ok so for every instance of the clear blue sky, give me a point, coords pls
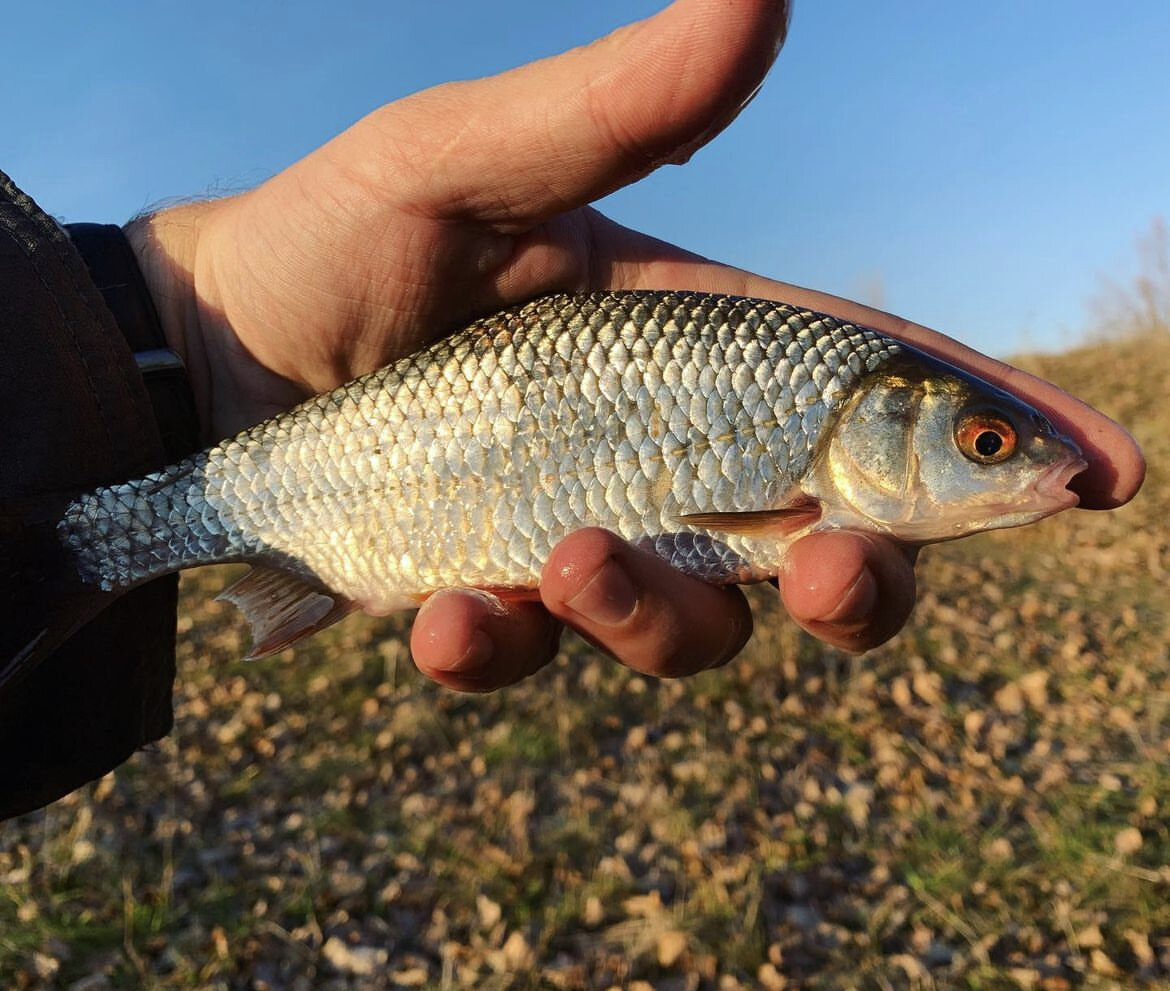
(976, 167)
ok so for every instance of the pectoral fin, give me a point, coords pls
(782, 521)
(281, 608)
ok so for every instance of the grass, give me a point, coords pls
(980, 804)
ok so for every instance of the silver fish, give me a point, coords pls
(713, 430)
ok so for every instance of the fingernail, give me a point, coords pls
(857, 603)
(477, 655)
(608, 598)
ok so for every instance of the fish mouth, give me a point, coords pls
(1052, 486)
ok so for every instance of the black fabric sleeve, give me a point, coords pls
(76, 413)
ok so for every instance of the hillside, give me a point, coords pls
(982, 803)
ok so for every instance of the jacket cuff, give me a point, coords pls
(115, 272)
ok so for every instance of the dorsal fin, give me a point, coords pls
(282, 608)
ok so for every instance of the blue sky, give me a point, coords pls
(976, 167)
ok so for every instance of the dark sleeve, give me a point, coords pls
(76, 414)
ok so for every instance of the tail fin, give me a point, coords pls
(99, 529)
(120, 536)
(63, 558)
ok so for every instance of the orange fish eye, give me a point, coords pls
(986, 437)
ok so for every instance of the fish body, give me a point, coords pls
(712, 430)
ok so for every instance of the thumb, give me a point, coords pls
(515, 149)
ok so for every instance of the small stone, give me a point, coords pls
(900, 693)
(1034, 688)
(928, 687)
(671, 945)
(594, 912)
(1101, 963)
(857, 801)
(46, 966)
(363, 961)
(1090, 937)
(1139, 943)
(346, 884)
(911, 966)
(489, 911)
(770, 978)
(938, 955)
(1025, 977)
(1128, 840)
(999, 850)
(1010, 699)
(644, 906)
(1110, 782)
(517, 952)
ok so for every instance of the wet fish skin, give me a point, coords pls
(465, 463)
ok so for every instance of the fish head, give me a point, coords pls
(926, 452)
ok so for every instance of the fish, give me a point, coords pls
(712, 430)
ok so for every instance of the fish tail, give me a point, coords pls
(65, 557)
(120, 536)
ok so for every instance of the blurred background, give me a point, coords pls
(975, 167)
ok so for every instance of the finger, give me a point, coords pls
(648, 615)
(627, 259)
(475, 642)
(518, 148)
(850, 590)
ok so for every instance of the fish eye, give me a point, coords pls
(985, 437)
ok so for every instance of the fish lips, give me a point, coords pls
(1052, 487)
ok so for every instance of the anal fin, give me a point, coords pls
(282, 608)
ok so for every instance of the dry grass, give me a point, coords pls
(980, 804)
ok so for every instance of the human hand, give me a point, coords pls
(469, 197)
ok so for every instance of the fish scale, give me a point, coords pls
(465, 463)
